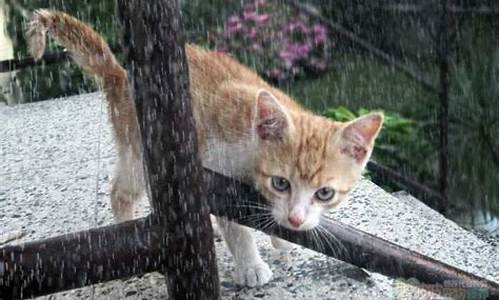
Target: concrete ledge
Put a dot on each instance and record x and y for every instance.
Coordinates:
(54, 179)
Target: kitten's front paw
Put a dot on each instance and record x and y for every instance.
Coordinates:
(255, 274)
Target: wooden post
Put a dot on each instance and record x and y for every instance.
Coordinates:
(159, 74)
(443, 53)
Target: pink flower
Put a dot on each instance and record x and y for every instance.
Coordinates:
(233, 25)
(257, 47)
(298, 25)
(320, 34)
(297, 50)
(287, 57)
(292, 44)
(233, 20)
(232, 28)
(249, 15)
(261, 19)
(304, 50)
(251, 33)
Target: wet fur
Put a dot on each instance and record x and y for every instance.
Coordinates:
(246, 128)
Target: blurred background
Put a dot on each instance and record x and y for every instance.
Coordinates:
(431, 66)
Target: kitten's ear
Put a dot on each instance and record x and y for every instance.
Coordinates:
(358, 136)
(271, 118)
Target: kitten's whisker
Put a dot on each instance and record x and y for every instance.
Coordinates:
(259, 214)
(327, 241)
(318, 240)
(333, 237)
(250, 206)
(256, 221)
(315, 238)
(339, 244)
(255, 217)
(255, 202)
(268, 224)
(251, 220)
(259, 204)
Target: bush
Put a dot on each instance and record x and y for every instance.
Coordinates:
(279, 43)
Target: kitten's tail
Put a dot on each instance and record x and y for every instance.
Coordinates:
(86, 46)
(93, 54)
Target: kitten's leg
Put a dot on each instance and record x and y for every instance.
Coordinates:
(250, 269)
(281, 244)
(127, 186)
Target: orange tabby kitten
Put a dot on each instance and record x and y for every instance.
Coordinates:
(302, 163)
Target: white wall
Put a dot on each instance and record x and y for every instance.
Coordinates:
(8, 88)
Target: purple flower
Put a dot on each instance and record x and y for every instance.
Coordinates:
(298, 50)
(287, 57)
(261, 19)
(251, 33)
(233, 20)
(233, 25)
(320, 34)
(230, 32)
(256, 47)
(292, 45)
(249, 15)
(304, 50)
(297, 25)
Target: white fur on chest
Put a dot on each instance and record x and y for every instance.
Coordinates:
(231, 159)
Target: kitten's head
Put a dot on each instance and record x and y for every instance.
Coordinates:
(307, 164)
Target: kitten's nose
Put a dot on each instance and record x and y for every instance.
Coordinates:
(295, 220)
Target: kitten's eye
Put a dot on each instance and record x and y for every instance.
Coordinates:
(280, 184)
(325, 194)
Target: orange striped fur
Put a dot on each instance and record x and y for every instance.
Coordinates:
(245, 127)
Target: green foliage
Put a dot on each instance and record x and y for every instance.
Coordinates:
(473, 129)
(341, 114)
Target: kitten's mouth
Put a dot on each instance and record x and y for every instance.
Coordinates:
(303, 227)
(281, 217)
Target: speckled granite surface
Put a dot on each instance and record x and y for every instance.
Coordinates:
(54, 179)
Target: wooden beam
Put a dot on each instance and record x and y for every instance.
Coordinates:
(157, 66)
(79, 259)
(119, 251)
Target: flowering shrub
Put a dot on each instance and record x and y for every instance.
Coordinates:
(279, 44)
